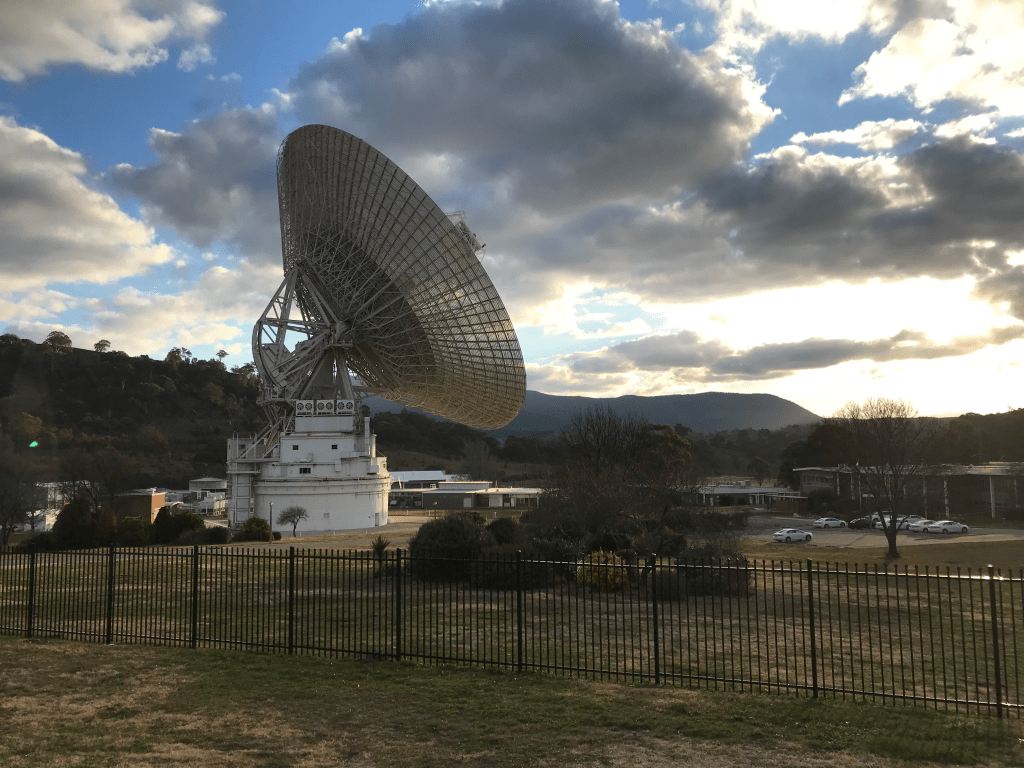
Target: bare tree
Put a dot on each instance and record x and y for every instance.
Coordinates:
(292, 516)
(759, 470)
(17, 497)
(885, 445)
(477, 460)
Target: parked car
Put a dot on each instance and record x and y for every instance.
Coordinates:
(861, 522)
(920, 526)
(829, 522)
(902, 523)
(792, 534)
(947, 526)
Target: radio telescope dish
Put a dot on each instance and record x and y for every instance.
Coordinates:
(380, 282)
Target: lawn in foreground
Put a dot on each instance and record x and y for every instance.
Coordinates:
(69, 703)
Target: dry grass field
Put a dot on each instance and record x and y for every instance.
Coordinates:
(74, 704)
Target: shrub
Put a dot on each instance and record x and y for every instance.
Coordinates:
(442, 550)
(132, 532)
(496, 569)
(276, 535)
(172, 529)
(42, 542)
(602, 570)
(205, 537)
(254, 529)
(75, 527)
(706, 576)
(503, 530)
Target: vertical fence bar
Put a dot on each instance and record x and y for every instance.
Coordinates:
(31, 594)
(194, 642)
(110, 595)
(398, 604)
(654, 619)
(291, 600)
(810, 621)
(995, 640)
(519, 610)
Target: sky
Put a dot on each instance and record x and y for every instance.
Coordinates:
(819, 200)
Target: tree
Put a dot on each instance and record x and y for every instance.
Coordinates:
(477, 460)
(885, 444)
(101, 346)
(292, 516)
(17, 497)
(759, 470)
(58, 340)
(221, 354)
(621, 488)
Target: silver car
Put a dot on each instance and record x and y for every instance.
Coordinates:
(792, 534)
(829, 522)
(920, 526)
(948, 526)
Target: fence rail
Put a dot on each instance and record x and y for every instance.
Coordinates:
(940, 639)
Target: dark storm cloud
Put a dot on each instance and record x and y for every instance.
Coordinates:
(214, 181)
(563, 99)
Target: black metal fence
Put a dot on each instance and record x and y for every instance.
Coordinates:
(940, 639)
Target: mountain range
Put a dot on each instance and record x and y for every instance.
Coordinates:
(705, 412)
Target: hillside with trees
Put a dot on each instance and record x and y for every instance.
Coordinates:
(160, 422)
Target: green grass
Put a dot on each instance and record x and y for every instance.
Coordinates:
(209, 706)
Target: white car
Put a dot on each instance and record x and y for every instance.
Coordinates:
(947, 526)
(792, 534)
(920, 526)
(902, 523)
(829, 522)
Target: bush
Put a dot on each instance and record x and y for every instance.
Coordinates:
(496, 569)
(254, 529)
(42, 542)
(276, 535)
(442, 550)
(172, 529)
(205, 537)
(504, 530)
(729, 577)
(132, 532)
(75, 527)
(602, 570)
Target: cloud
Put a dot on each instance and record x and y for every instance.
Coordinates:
(218, 309)
(191, 58)
(870, 135)
(968, 51)
(684, 358)
(55, 225)
(580, 108)
(106, 35)
(215, 181)
(745, 26)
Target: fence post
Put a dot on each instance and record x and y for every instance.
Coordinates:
(291, 599)
(654, 611)
(195, 595)
(110, 594)
(995, 639)
(398, 604)
(810, 618)
(31, 592)
(519, 610)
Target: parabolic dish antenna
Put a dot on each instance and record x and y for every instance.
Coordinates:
(380, 282)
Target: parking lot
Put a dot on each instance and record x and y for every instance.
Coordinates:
(763, 527)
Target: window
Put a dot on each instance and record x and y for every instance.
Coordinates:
(295, 447)
(327, 515)
(334, 447)
(305, 470)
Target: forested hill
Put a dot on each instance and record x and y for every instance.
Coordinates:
(707, 412)
(161, 421)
